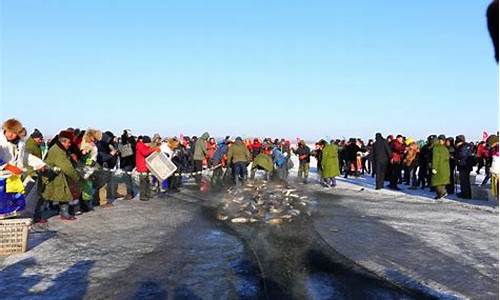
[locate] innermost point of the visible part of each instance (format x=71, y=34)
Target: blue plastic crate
x=10, y=202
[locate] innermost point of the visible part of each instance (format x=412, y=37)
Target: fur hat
x=173, y=143
x=92, y=133
x=13, y=125
x=492, y=140
x=66, y=135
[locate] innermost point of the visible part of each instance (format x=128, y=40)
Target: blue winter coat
x=278, y=158
x=219, y=153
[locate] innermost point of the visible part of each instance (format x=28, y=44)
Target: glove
x=434, y=171
x=13, y=169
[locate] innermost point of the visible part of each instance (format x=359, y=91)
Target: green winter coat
x=440, y=163
x=200, y=148
x=238, y=152
x=58, y=189
x=264, y=161
x=33, y=148
x=330, y=161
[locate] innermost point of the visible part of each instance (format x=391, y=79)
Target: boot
x=64, y=212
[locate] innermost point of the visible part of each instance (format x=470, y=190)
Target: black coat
x=381, y=151
x=425, y=156
x=351, y=152
x=303, y=150
x=464, y=158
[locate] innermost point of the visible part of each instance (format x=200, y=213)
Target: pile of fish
x=262, y=203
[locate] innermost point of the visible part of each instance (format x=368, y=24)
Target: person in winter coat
x=211, y=148
x=218, y=161
x=200, y=154
x=107, y=157
x=238, y=156
x=174, y=150
x=351, y=157
x=440, y=167
x=126, y=150
x=463, y=157
x=329, y=163
x=494, y=170
x=89, y=150
x=264, y=162
x=143, y=150
x=13, y=154
x=424, y=163
x=280, y=162
x=367, y=158
x=410, y=162
x=450, y=144
x=15, y=158
x=107, y=152
x=304, y=154
x=61, y=188
x=33, y=147
x=256, y=148
x=317, y=153
x=398, y=149
x=34, y=142
x=381, y=156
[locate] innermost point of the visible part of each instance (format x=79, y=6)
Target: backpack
x=125, y=149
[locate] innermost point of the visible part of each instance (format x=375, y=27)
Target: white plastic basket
x=160, y=165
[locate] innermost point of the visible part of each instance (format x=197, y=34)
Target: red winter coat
x=398, y=149
x=141, y=152
x=211, y=148
x=482, y=152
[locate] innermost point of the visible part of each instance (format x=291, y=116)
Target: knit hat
x=442, y=137
x=37, y=134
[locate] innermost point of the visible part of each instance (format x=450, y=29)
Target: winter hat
x=23, y=133
x=37, y=134
x=13, y=125
x=146, y=139
x=492, y=140
x=378, y=135
x=92, y=133
x=66, y=135
x=239, y=139
x=442, y=137
x=460, y=139
x=173, y=143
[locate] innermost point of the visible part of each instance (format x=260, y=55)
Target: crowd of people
x=74, y=170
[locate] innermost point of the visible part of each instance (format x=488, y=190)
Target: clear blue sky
x=274, y=68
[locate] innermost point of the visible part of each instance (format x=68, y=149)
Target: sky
x=309, y=69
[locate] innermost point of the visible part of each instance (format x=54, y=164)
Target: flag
x=485, y=136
